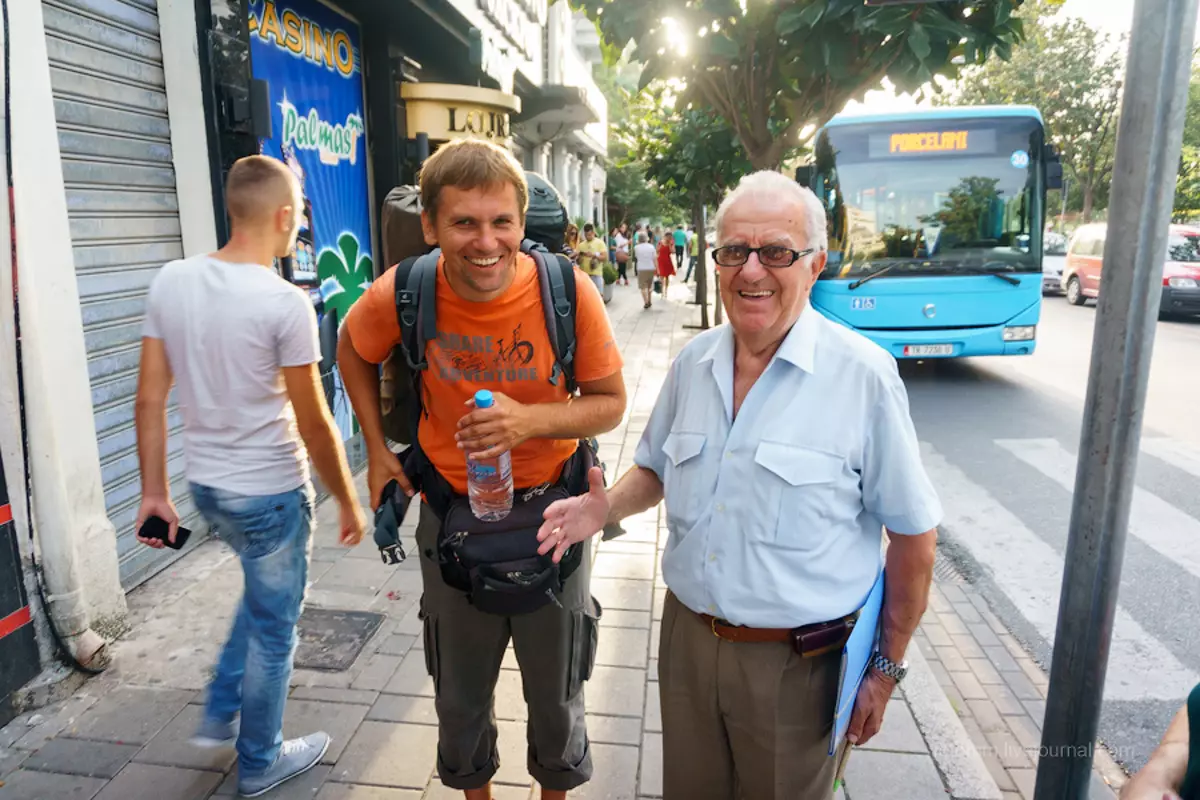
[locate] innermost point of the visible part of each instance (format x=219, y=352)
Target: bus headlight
x=1181, y=283
x=1022, y=333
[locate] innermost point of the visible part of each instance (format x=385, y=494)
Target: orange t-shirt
x=500, y=345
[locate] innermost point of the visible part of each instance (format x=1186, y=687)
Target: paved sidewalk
x=123, y=735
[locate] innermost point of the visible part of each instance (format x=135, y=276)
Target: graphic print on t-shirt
x=485, y=359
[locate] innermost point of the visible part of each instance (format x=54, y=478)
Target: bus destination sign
x=933, y=143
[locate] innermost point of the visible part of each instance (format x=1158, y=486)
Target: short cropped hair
x=471, y=164
x=589, y=228
x=768, y=183
x=256, y=186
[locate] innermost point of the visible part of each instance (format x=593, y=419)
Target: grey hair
x=768, y=183
x=641, y=237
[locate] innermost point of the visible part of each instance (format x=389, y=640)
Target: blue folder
x=855, y=655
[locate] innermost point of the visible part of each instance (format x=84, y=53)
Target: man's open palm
x=575, y=519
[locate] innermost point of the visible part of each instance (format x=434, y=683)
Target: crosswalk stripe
x=1173, y=452
x=1172, y=533
x=1029, y=572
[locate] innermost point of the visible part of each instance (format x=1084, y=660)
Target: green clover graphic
x=350, y=269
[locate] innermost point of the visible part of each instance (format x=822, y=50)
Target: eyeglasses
x=772, y=255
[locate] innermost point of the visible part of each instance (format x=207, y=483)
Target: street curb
x=966, y=776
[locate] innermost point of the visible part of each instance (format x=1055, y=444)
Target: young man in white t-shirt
x=240, y=344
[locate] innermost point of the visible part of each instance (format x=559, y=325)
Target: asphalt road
x=1000, y=439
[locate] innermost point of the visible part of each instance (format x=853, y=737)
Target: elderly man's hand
x=575, y=519
x=869, y=707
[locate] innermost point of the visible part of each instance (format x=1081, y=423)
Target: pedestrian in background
x=775, y=512
x=693, y=253
x=593, y=256
x=645, y=262
x=666, y=267
x=681, y=240
x=240, y=344
x=621, y=252
x=570, y=247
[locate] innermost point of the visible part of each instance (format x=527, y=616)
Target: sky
x=1114, y=17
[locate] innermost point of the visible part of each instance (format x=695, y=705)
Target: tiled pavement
x=123, y=735
x=997, y=690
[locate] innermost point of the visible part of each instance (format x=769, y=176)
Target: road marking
x=1173, y=452
x=1172, y=533
x=1029, y=572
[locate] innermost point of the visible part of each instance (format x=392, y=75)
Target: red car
x=1181, y=273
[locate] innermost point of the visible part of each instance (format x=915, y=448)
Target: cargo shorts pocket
x=585, y=636
x=430, y=639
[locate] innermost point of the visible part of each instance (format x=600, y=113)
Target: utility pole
x=1143, y=188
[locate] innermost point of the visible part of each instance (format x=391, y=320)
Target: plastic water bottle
x=489, y=480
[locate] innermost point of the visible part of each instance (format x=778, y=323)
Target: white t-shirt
x=229, y=329
x=621, y=243
x=646, y=257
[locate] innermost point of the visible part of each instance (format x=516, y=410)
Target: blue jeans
x=272, y=535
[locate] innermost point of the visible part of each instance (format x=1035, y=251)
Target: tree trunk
x=1089, y=199
x=701, y=264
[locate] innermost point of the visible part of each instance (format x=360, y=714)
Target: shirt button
x=721, y=507
x=712, y=609
x=728, y=455
x=712, y=557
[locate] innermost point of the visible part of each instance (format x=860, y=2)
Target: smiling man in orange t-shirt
x=492, y=335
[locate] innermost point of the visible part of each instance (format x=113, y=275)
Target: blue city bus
x=935, y=222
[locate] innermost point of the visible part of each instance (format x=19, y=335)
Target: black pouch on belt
x=497, y=563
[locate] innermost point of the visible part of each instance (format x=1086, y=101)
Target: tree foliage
x=1072, y=73
x=691, y=156
x=1187, y=189
x=629, y=192
x=770, y=68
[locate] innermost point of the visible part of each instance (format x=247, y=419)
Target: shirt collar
x=799, y=347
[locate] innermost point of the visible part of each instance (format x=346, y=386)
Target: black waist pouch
x=497, y=563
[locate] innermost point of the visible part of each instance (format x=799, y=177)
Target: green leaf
x=918, y=41
x=722, y=46
x=798, y=18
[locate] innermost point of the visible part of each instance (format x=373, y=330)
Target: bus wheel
x=1075, y=292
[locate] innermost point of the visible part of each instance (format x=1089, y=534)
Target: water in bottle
x=489, y=480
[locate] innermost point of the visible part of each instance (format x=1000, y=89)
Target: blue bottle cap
x=484, y=399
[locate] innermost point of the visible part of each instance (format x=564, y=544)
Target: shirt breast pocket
x=798, y=492
x=684, y=481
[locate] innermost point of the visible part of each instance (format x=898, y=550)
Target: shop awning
x=554, y=111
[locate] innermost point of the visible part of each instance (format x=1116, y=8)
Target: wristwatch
x=885, y=666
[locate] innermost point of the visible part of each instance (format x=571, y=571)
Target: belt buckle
x=713, y=622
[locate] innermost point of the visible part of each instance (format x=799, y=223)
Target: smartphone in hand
x=159, y=528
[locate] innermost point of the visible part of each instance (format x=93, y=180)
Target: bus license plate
x=928, y=349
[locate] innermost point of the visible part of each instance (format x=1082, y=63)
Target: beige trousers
x=742, y=721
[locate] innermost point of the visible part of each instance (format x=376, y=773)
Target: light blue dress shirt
x=776, y=518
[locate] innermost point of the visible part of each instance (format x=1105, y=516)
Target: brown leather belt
x=808, y=641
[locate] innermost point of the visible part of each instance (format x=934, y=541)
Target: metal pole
x=1143, y=187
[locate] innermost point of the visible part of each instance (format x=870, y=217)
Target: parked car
x=1054, y=258
x=1181, y=273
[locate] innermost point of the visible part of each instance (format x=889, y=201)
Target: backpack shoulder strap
x=416, y=278
x=556, y=278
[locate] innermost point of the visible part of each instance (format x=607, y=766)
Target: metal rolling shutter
x=111, y=105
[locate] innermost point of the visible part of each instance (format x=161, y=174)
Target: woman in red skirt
x=666, y=264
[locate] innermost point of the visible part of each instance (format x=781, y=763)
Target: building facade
x=126, y=119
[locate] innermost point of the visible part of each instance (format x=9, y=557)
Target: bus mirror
x=804, y=176
x=1054, y=175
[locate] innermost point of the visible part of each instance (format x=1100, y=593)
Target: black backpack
x=401, y=395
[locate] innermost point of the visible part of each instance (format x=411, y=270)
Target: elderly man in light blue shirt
x=783, y=446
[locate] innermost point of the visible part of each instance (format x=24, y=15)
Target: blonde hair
x=471, y=164
x=256, y=187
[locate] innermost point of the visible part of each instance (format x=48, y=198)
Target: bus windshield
x=931, y=197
